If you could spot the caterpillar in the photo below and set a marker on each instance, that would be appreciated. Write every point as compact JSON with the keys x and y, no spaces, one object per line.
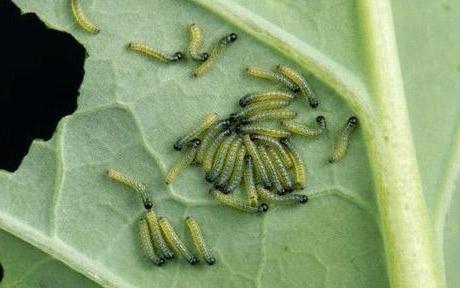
{"x":182,"y":162}
{"x":211,"y":150}
{"x":252,"y":150}
{"x":196,"y":41}
{"x":265,"y":96}
{"x":272,"y":115}
{"x":271,"y":170}
{"x":155,"y":232}
{"x":281,"y":170}
{"x":235,"y":203}
{"x":214,"y":54}
{"x":267,"y":140}
{"x":149,"y":51}
{"x":237,"y":173}
{"x":343,"y":139}
{"x":300,"y":81}
{"x":198,"y":240}
{"x":207,"y":121}
{"x":256,"y":129}
{"x":257,"y":107}
{"x":146,"y":243}
{"x":283,"y":199}
{"x":133,"y":184}
{"x":81,"y":19}
{"x":175,"y":242}
{"x":248,"y":176}
{"x":229,"y":163}
{"x":272,"y":76}
{"x":305,"y":131}
{"x":219,"y":159}
{"x":298,"y":164}
{"x":209,"y":136}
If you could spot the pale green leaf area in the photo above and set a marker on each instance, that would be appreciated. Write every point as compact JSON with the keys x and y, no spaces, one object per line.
{"x":358,"y":228}
{"x":26,"y":266}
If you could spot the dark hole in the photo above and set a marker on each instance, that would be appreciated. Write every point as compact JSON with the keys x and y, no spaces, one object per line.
{"x":1,"y":272}
{"x":40,"y":72}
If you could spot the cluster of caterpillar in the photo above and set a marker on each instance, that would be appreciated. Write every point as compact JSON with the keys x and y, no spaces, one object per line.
{"x":194,"y":50}
{"x":158,"y":239}
{"x":240,"y":149}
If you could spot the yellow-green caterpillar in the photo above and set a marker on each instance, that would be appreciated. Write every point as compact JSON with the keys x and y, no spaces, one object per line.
{"x":198,"y":240}
{"x":207,"y":121}
{"x":155,"y":233}
{"x":229,"y":163}
{"x":132,"y":183}
{"x":149,"y":51}
{"x":306,"y":131}
{"x":343,"y":139}
{"x":300,"y":81}
{"x":237,"y":173}
{"x":282,"y":199}
{"x":81,"y":19}
{"x":196,"y":41}
{"x":299,"y":168}
{"x":235,"y":203}
{"x":252,"y":150}
{"x":182,"y":162}
{"x":146,"y":243}
{"x":214,"y":54}
{"x":265,"y":96}
{"x":267,"y":140}
{"x":175,"y":242}
{"x":249,"y":185}
{"x":273,"y":76}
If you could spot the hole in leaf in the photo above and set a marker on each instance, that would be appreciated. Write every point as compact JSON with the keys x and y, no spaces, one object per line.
{"x":40,"y":74}
{"x":1,"y":272}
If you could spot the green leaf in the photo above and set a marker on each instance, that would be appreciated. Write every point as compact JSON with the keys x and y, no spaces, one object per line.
{"x":366,"y":224}
{"x":26,"y":266}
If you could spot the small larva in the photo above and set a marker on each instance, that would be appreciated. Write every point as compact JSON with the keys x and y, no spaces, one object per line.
{"x":235,"y":203}
{"x":343,"y":138}
{"x":155,"y":232}
{"x":230,"y":159}
{"x":306,"y":131}
{"x":255,"y":108}
{"x":281,"y":170}
{"x":252,"y":150}
{"x":282,"y":199}
{"x":182,"y":162}
{"x":267,"y":140}
{"x":272,"y":115}
{"x":133,"y":184}
{"x":207,"y":121}
{"x":300,"y":81}
{"x":219,"y":159}
{"x":149,"y":51}
{"x":272,"y":76}
{"x":271,"y":170}
{"x":198,"y":240}
{"x":214,"y":54}
{"x":146,"y":243}
{"x":261,"y":130}
{"x":265,"y":96}
{"x":237,"y":173}
{"x":81,"y":19}
{"x":298,"y":164}
{"x":249,"y":185}
{"x":209,"y":136}
{"x":196,"y":41}
{"x":175,"y":242}
{"x":211,"y":150}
